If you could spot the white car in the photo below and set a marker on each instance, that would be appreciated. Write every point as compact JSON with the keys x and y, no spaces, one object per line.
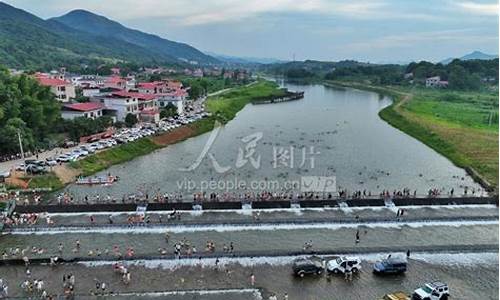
{"x":81,"y":152}
{"x":88,"y":148}
{"x":64,"y":158}
{"x":51,"y":161}
{"x":432,"y":291}
{"x":105,"y":144}
{"x":20,"y":167}
{"x":343,"y":264}
{"x":97,"y":146}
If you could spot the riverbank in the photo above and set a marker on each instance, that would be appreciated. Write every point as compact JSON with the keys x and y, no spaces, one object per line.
{"x":456,"y":125}
{"x":225,"y":106}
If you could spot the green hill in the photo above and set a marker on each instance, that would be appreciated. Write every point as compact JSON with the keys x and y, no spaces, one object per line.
{"x":29,"y":42}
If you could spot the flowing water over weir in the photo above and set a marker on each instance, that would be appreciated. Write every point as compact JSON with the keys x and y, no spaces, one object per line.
{"x":347,"y":139}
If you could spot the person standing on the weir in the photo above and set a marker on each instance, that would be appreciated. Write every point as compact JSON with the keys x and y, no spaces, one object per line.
{"x":357,"y":236}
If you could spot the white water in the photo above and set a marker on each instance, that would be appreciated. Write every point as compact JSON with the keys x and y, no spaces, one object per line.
{"x":447,"y":259}
{"x":291,"y":210}
{"x":256,"y":293}
{"x":255,"y":227}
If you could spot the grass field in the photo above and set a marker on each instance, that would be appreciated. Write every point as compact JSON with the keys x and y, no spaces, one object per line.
{"x":463,"y":126}
{"x":224,"y":107}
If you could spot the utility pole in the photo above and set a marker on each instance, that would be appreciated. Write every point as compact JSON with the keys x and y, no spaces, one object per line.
{"x":21,"y":147}
{"x":20,"y":143}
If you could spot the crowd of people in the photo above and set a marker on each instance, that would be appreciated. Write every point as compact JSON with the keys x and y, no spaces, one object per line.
{"x":142,"y":197}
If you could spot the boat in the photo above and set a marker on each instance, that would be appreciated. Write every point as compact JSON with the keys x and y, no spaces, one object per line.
{"x":105,"y":180}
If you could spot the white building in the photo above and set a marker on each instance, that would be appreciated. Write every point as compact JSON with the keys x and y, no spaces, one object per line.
{"x":176,"y":98}
{"x":121,"y":103}
{"x":62,"y":89}
{"x":435,"y":82}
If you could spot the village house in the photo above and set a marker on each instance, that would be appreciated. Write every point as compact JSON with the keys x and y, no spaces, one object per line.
{"x":115,"y":82}
{"x":435,"y":82}
{"x":198,"y":73}
{"x":155,"y":87}
{"x":90,"y":110}
{"x":62,"y":89}
{"x":176,"y":98}
{"x":120,"y":103}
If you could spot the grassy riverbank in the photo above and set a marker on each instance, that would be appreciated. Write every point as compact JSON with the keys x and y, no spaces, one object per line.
{"x":223,"y":108}
{"x":102,"y":160}
{"x":462,"y":126}
{"x":49,"y":180}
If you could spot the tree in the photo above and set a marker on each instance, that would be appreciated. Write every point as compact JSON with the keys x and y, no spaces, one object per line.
{"x":27,"y":107}
{"x":169,"y":110}
{"x":130,"y":120}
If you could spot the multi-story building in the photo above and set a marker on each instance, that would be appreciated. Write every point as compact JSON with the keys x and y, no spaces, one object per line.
{"x":62,"y":89}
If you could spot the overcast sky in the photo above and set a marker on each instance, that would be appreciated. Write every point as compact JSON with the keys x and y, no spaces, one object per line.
{"x":376,"y":30}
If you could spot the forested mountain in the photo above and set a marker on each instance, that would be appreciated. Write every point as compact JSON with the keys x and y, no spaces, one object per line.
{"x":88,"y":22}
{"x":29,"y":42}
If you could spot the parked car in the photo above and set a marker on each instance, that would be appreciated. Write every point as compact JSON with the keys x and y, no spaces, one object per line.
{"x":97,"y":146}
{"x":342,"y":264}
{"x":20,"y":167}
{"x":35,"y":169}
{"x":88,"y":148}
{"x":432,"y":291}
{"x":51,"y":161}
{"x":80,"y":152}
{"x":390,"y":265}
{"x":34,"y":162}
{"x":302,"y":267}
{"x":65,"y":158}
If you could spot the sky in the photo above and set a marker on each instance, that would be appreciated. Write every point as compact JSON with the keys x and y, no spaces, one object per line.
{"x":331,"y":30}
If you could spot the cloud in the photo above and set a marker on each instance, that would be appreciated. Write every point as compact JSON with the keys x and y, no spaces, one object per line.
{"x":488,"y":9}
{"x":423,"y":38}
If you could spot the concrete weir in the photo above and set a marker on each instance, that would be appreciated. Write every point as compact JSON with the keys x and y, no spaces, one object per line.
{"x":268,"y":204}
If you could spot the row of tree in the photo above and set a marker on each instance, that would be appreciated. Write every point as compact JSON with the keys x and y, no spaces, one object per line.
{"x":461,"y":75}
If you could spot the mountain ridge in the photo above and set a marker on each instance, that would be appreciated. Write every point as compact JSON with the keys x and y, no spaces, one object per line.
{"x":470,"y":56}
{"x":92,"y":23}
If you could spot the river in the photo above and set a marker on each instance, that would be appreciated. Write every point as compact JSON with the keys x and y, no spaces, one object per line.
{"x":330,"y":132}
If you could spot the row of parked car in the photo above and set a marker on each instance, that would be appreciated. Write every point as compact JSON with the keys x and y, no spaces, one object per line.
{"x":123,"y":136}
{"x":389,"y":265}
{"x":168,"y":124}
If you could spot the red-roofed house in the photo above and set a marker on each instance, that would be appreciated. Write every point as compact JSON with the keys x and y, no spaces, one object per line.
{"x":91,"y":110}
{"x":155,"y":87}
{"x":64,"y":90}
{"x":115,"y":82}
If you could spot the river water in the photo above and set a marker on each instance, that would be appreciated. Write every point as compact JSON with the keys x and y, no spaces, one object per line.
{"x":331,"y":132}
